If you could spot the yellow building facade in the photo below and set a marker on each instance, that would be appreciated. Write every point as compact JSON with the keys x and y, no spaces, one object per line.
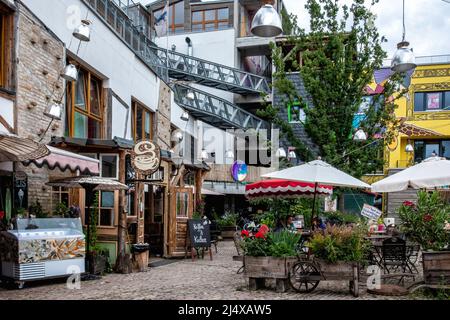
{"x":425,"y":118}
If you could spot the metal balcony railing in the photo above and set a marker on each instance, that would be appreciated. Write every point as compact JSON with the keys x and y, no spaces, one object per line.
{"x":216,"y":111}
{"x":173,"y":64}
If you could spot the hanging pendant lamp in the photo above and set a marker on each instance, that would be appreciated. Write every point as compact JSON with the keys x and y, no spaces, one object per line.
{"x":83,"y":32}
{"x":403,"y":59}
{"x":267,"y":22}
{"x":70,"y":73}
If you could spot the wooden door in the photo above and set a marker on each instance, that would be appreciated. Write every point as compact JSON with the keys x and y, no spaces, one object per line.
{"x":181,"y":209}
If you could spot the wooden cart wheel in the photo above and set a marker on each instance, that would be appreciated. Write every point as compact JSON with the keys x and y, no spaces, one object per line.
{"x":354,"y":284}
{"x":304,"y":277}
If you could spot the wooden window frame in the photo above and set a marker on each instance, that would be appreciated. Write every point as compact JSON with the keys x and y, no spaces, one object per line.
{"x":71,"y":92}
{"x":171,"y":24}
{"x":204,"y":22}
{"x":59,"y":192}
{"x":145,"y":110}
{"x":7,"y":46}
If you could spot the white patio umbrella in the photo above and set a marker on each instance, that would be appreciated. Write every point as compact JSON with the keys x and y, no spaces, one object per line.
{"x":430,"y":173}
{"x":318,"y":172}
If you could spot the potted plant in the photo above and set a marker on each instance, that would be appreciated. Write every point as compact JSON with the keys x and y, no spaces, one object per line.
{"x":425,"y":224}
{"x":227,"y":224}
{"x":269,"y":255}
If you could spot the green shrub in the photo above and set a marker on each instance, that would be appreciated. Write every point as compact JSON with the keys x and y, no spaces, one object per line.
{"x":425,"y":222}
{"x":340,"y":243}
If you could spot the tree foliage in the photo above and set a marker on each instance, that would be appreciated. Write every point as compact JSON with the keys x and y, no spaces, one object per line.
{"x":338,"y":58}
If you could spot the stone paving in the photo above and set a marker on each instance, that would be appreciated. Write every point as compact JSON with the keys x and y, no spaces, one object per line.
{"x":184,"y":279}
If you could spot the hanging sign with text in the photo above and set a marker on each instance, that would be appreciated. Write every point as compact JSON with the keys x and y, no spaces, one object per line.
{"x":370,"y":212}
{"x":199,"y":233}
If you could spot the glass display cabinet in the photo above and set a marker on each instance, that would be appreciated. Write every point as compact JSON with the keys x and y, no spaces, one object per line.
{"x":42,"y":248}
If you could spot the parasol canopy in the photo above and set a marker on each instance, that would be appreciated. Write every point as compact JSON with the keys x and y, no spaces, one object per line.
{"x":318,"y":172}
{"x":14,"y":148}
{"x":430,"y":173}
{"x":280,"y":188}
{"x":94,"y":182}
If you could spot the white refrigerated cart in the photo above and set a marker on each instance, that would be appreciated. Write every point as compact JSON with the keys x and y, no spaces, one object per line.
{"x":42,"y":248}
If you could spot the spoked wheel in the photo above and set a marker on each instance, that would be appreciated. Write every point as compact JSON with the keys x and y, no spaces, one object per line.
{"x":304,"y":277}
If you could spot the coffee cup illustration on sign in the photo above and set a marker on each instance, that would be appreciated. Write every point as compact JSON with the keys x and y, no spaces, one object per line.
{"x":146,"y":157}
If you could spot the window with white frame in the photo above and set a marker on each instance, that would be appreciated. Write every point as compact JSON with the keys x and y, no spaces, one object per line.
{"x":109,"y":166}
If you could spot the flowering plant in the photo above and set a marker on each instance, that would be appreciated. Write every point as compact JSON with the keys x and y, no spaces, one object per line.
{"x":425,"y":222}
{"x":265,"y":243}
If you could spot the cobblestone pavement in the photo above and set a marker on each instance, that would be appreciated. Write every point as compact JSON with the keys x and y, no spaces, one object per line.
{"x":184,"y":279}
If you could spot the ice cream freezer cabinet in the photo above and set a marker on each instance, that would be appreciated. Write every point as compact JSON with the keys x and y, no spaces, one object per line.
{"x":42,"y":248}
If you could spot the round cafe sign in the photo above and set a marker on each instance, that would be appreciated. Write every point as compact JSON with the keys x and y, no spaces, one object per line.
{"x":145,"y":157}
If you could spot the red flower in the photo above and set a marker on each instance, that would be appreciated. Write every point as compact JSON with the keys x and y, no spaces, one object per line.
{"x":245,"y":233}
{"x":260,"y":235}
{"x":409,"y":204}
{"x":427,"y":217}
{"x":263,"y":229}
{"x":2,"y":215}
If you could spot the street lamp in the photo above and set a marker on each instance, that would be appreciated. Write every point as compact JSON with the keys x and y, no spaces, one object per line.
{"x":267,"y":22}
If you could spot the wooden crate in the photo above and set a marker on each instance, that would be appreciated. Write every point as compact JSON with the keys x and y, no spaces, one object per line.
{"x":257,"y":269}
{"x":436,"y":267}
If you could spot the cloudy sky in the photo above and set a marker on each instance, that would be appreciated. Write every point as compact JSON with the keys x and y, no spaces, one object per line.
{"x":427,"y":23}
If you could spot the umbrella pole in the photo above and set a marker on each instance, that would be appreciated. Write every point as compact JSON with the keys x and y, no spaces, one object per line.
{"x":314,"y":204}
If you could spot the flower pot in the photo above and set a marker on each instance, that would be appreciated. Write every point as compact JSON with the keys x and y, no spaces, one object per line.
{"x":227,"y":232}
{"x":436,"y":267}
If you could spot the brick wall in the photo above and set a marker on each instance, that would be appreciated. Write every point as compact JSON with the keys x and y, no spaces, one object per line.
{"x":40,"y":58}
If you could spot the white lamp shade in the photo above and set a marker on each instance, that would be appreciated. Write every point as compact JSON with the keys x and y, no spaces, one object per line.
{"x":177,"y":136}
{"x":409,"y":148}
{"x":54,"y":111}
{"x":281,"y":153}
{"x":292,"y":155}
{"x":70,"y":73}
{"x":360,"y":135}
{"x":404,"y":59}
{"x":267,"y":22}
{"x":82,"y":32}
{"x":190,"y":95}
{"x":204,"y":154}
{"x":229,"y":154}
{"x":185,"y":116}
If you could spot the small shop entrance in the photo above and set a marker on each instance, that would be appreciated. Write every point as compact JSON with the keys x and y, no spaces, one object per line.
{"x":154,"y":218}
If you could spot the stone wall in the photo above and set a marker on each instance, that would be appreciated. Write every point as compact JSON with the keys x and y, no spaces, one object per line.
{"x":163,"y":117}
{"x":40,"y":59}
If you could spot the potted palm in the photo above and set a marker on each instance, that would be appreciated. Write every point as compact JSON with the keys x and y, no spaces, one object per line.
{"x":426,"y":224}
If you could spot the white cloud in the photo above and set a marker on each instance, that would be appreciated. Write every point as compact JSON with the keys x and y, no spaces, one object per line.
{"x":427,"y":23}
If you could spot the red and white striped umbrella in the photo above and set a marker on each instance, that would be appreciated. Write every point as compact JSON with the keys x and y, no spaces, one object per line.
{"x":277,"y":188}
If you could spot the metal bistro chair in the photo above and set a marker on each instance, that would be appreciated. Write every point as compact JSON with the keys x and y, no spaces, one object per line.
{"x":394,"y":256}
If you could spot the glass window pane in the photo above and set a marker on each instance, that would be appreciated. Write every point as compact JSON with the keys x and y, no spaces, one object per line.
{"x":107,"y":199}
{"x":147,"y":125}
{"x":80,"y":125}
{"x":210,"y":15}
{"x":434,"y":100}
{"x":139,"y":123}
{"x":197,"y":16}
{"x":418,"y":101}
{"x":179,"y":12}
{"x":419,"y":149}
{"x":182,"y":204}
{"x":106,"y":217}
{"x":431,"y":148}
{"x":109,"y":166}
{"x":223,"y":14}
{"x":210,"y":26}
{"x":446,"y":149}
{"x":447,"y":100}
{"x":94,"y":129}
{"x":80,"y":93}
{"x":95,"y":97}
{"x":197,"y":27}
{"x":223,"y":25}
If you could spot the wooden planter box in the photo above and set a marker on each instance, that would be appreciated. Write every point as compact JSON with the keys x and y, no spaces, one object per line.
{"x":227,"y":232}
{"x":257,"y":269}
{"x":97,"y":264}
{"x":338,"y":270}
{"x":436,"y":267}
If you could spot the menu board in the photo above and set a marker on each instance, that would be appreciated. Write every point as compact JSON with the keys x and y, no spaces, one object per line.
{"x":199,"y":233}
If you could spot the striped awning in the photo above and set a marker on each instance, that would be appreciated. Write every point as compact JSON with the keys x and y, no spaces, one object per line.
{"x":66,"y":160}
{"x":15,"y":148}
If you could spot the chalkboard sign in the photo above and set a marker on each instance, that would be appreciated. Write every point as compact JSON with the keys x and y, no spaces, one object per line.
{"x":199,"y":233}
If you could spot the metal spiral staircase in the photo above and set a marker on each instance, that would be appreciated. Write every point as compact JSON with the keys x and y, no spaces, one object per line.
{"x":174,"y":65}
